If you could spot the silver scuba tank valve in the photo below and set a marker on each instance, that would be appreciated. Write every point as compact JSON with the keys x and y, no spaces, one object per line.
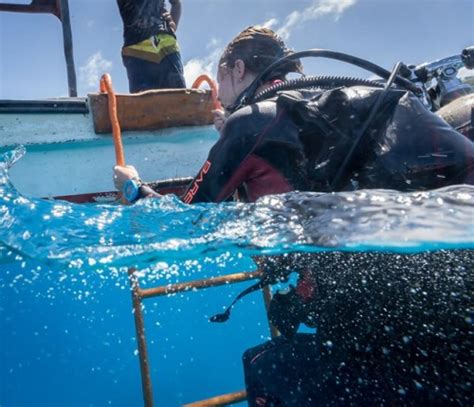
{"x":440,"y":78}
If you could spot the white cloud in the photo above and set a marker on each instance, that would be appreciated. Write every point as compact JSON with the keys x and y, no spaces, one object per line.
{"x":270,"y":23}
{"x":318,"y":9}
{"x":91,"y":72}
{"x":206,"y":65}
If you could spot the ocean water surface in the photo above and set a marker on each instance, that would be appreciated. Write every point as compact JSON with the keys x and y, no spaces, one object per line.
{"x":67,"y":331}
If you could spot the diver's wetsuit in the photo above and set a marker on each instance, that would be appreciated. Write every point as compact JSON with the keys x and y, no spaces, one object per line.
{"x":261,"y":149}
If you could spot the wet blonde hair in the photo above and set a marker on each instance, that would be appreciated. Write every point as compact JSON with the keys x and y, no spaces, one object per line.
{"x":259,"y":47}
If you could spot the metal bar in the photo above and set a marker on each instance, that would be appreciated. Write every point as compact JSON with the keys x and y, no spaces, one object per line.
{"x":139,"y":294}
{"x":224,"y":400}
{"x":68,"y":49}
{"x":28,"y":8}
{"x":141,"y":340}
{"x":55,"y":106}
{"x":198,"y":284}
{"x":59,"y":8}
{"x":267,"y":298}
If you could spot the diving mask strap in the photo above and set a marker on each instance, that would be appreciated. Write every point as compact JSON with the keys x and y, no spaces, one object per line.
{"x":223,"y":317}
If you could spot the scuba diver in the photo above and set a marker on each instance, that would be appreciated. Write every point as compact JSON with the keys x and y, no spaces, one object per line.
{"x":362,"y":135}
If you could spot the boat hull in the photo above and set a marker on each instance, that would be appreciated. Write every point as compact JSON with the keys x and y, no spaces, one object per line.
{"x":65,"y":155}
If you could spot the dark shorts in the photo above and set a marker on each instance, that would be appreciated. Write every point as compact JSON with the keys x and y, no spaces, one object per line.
{"x":144,"y":75}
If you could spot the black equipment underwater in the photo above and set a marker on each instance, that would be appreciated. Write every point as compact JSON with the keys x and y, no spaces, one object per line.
{"x":269,"y":277}
{"x":286,"y":312}
{"x":224,"y":316}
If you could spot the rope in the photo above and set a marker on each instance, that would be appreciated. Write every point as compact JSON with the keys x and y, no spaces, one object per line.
{"x":205,"y":78}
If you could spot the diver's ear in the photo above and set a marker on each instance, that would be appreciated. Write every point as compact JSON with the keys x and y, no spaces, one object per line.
{"x":239,"y":68}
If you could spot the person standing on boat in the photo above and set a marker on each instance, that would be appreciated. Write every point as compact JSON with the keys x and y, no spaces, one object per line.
{"x":151,"y":52}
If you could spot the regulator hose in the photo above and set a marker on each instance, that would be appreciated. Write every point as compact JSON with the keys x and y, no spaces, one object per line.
{"x":248,"y":95}
{"x":322,"y":82}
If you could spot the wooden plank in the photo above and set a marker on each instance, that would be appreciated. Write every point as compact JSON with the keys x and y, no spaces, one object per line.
{"x":154,"y":109}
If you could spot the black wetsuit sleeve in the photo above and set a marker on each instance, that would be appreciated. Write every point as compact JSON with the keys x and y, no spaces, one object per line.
{"x":227,"y":165}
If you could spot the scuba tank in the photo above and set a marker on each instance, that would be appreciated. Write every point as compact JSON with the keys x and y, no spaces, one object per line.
{"x":460,"y":114}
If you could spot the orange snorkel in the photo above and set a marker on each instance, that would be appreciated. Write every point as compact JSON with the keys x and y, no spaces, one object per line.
{"x":106,"y":87}
{"x":205,"y":78}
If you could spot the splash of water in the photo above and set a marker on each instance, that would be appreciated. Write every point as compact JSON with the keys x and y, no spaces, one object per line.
{"x":102,"y":236}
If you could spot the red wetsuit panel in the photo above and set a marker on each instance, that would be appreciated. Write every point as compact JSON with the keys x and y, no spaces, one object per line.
{"x":261,"y":179}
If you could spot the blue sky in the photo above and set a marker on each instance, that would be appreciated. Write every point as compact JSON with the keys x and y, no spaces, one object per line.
{"x":384,"y":31}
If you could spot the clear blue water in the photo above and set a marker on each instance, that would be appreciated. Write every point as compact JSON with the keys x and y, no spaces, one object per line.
{"x":67,"y":331}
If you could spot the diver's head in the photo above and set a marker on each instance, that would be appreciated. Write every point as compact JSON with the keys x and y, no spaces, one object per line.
{"x":246,"y":56}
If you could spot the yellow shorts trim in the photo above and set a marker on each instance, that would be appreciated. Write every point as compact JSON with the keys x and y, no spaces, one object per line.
{"x":153,"y":49}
